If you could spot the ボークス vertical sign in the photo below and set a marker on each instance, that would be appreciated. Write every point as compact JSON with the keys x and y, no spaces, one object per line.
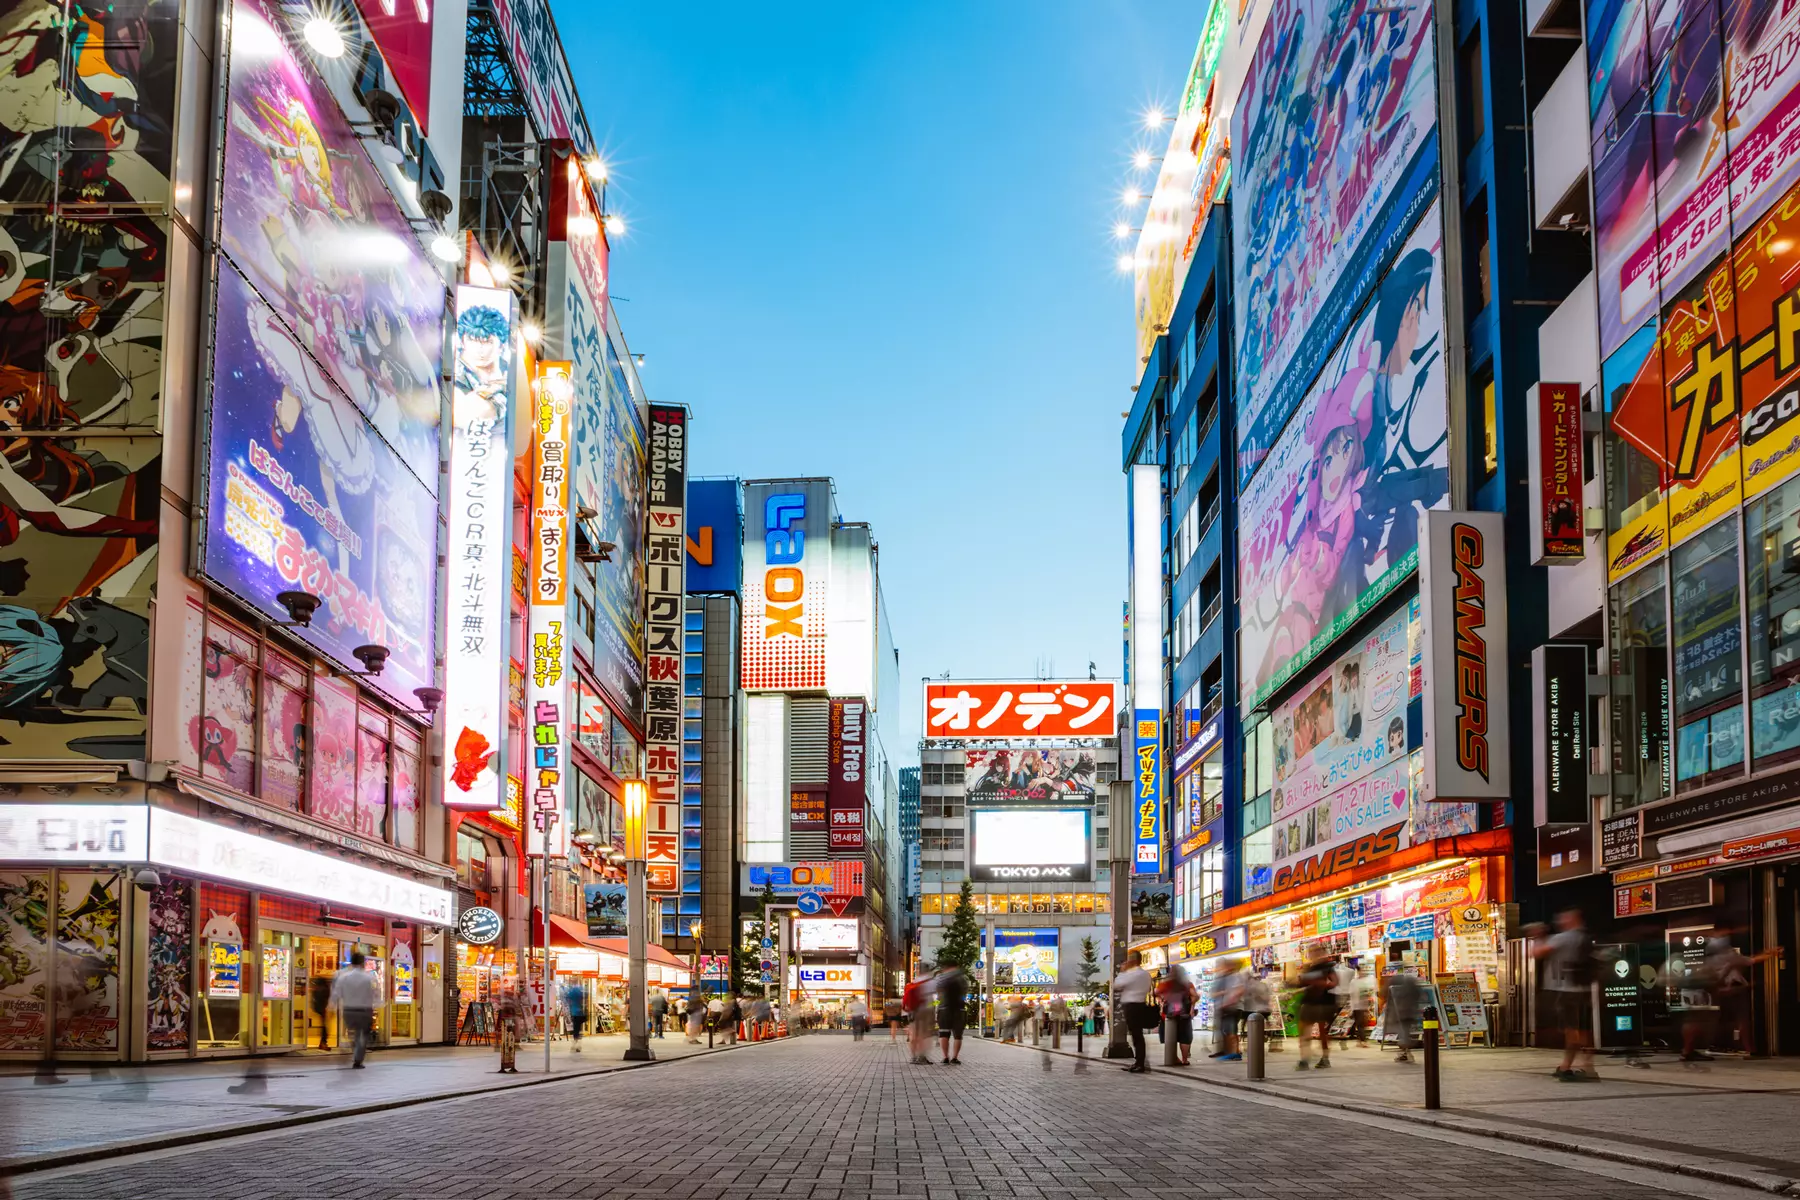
{"x":665,"y":566}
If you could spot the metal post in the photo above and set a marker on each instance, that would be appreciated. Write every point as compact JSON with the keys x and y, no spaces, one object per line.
{"x":1431,"y":1058}
{"x":1119,"y":796}
{"x":987,"y":1007}
{"x":1253,"y":1046}
{"x":637,"y":913}
{"x":1170,"y":1057}
{"x":1081,"y":1036}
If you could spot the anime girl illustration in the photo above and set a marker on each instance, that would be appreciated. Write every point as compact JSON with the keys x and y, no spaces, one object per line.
{"x":1403,"y":446}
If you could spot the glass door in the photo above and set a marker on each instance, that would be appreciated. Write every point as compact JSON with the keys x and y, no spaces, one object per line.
{"x":275,"y":1010}
{"x":321,"y":968}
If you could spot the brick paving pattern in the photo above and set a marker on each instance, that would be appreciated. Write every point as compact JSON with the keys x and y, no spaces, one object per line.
{"x":824,"y":1118}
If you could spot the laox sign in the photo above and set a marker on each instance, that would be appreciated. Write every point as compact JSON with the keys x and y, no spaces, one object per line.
{"x":784,"y":583}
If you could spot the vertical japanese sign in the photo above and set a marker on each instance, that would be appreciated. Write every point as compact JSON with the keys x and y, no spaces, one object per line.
{"x":1558,"y":535}
{"x":1146,"y":667}
{"x":547,"y":704}
{"x":846,"y":796}
{"x":665,"y":562}
{"x":479,"y":551}
{"x":1147,"y":817}
{"x":1462,"y":596}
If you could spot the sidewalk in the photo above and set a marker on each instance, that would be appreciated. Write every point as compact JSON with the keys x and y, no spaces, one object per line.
{"x":1734,"y":1120}
{"x":105,"y":1110}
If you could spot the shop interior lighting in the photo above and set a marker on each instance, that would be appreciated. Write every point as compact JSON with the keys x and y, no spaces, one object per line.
{"x":323,"y":35}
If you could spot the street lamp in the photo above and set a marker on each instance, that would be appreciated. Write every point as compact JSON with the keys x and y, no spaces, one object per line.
{"x":637,"y":911}
{"x":695,"y":987}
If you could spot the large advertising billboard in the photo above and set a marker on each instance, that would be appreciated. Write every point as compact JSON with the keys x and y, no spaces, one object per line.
{"x":787,"y":553}
{"x":542,"y":70}
{"x":1334,"y":156}
{"x":1030,"y":844}
{"x":1693,"y":105}
{"x":1028,"y":773}
{"x":1024,"y":708}
{"x":1330,"y":524}
{"x":715,"y":536}
{"x":665,"y":642}
{"x":846,"y":795}
{"x":1703,"y":400}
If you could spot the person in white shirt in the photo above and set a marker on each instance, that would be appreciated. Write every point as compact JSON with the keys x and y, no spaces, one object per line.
{"x":355,"y":994}
{"x":1131,"y":990}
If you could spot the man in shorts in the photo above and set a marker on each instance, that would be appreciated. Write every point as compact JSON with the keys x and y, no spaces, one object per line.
{"x":953,"y":1007}
{"x":1568,"y":985}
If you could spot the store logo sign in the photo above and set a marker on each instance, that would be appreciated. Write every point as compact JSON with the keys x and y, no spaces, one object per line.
{"x":1343,"y":858}
{"x":479,"y":926}
{"x":1470,"y":652}
{"x":784,"y":583}
{"x":1032,"y":872}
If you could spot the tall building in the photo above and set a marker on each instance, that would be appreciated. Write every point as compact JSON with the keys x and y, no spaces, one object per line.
{"x":315,"y":741}
{"x":1014,"y":799}
{"x":1661,"y":447}
{"x":1359,"y":797}
{"x":909,"y":851}
{"x":821,"y":798}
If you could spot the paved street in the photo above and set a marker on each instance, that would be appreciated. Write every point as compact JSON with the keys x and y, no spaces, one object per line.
{"x":824,"y":1117}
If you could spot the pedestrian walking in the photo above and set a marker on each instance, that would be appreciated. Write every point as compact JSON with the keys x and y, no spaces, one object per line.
{"x":890,"y":1013}
{"x":575,"y":1003}
{"x":859,"y":1019}
{"x":728,"y":1020}
{"x":508,"y":1015}
{"x":1570,"y":971}
{"x":1229,"y":987}
{"x":659,"y":1012}
{"x":715,"y":1012}
{"x":1097,"y":1017}
{"x":1179,"y":996}
{"x":1317,"y":1008}
{"x":952,"y":989}
{"x":355,"y":993}
{"x":1362,"y":1001}
{"x":318,"y":998}
{"x":915,"y":1005}
{"x":1402,"y":1011}
{"x":762,"y":1019}
{"x":694,"y":1012}
{"x":1132,"y":991}
{"x":1343,"y":997}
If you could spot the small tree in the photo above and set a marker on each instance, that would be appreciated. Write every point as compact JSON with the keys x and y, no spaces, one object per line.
{"x":962,"y":941}
{"x":746,"y":964}
{"x":1088,"y":967}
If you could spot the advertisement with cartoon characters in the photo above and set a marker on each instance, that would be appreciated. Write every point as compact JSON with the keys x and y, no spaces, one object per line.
{"x":1334,"y":156}
{"x":1027,"y":773}
{"x":1330,"y":524}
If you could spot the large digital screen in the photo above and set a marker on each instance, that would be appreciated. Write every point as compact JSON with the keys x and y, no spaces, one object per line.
{"x":826,"y":933}
{"x":1027,"y":773}
{"x":1330,"y":524}
{"x":1334,"y":156}
{"x":1026,"y":957}
{"x":1693,"y":104}
{"x":1030,"y":843}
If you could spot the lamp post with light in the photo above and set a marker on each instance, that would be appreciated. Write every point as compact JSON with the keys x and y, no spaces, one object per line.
{"x":694,"y":984}
{"x":637,"y":911}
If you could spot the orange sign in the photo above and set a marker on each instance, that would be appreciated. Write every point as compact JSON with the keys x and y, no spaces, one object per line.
{"x":1024,"y":708}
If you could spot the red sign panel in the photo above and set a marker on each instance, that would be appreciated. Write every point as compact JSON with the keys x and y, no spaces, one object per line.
{"x":402,"y":32}
{"x":1027,"y":708}
{"x":847,"y":795}
{"x":1559,"y":464}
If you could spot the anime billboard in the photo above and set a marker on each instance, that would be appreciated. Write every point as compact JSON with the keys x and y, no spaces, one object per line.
{"x":325,"y":507}
{"x":1028,"y":773}
{"x":1703,"y":399}
{"x":1694,"y":107}
{"x":1330,"y":524}
{"x":86,"y":103}
{"x":308,"y":221}
{"x":1334,"y":148}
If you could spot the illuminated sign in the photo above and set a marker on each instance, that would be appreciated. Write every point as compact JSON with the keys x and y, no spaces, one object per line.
{"x":827,"y":933}
{"x":1030,"y":843}
{"x":547,"y":704}
{"x":478,"y":550}
{"x":842,"y":878}
{"x":1362,"y":851}
{"x":1559,"y":719}
{"x":1462,"y":586}
{"x":665,"y":621}
{"x":1022,"y":709}
{"x":1558,"y":515}
{"x":89,"y":833}
{"x":1147,"y":795}
{"x":1196,"y":747}
{"x":847,"y":796}
{"x":851,"y":977}
{"x":784,"y":602}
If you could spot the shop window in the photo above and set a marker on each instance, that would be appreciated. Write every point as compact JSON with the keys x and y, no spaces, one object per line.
{"x":1490,"y":428}
{"x":224,"y":1016}
{"x":471,"y":860}
{"x":1063,"y":902}
{"x":332,"y":771}
{"x":931,"y":903}
{"x":225,"y":731}
{"x":1084,"y":902}
{"x":1640,"y":666}
{"x":1708,"y":643}
{"x":1102,"y":902}
{"x":171,"y":963}
{"x":1772,"y":547}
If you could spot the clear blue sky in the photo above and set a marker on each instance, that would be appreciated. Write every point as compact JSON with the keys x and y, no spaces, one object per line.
{"x":874,"y":242}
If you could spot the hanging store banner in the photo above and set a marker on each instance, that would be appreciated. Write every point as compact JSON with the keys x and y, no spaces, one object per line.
{"x":479,"y":551}
{"x":548,"y":695}
{"x":1560,"y":734}
{"x":1462,"y":588}
{"x":1147,"y":795}
{"x":1024,"y":708}
{"x":665,"y":564}
{"x":1558,"y":516}
{"x":787,"y":553}
{"x":847,"y":793}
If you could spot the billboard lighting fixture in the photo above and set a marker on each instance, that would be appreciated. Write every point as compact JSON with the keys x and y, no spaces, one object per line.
{"x":499,"y":272}
{"x":532,"y":332}
{"x":596,"y":169}
{"x":615,"y":225}
{"x":323,"y":35}
{"x":1142,"y":160}
{"x":1155,"y":117}
{"x":1131,"y":196}
{"x":445,"y":249}
{"x":1123,"y":230}
{"x":1126,"y":262}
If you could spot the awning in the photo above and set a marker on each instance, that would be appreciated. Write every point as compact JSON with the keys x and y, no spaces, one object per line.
{"x":568,"y":933}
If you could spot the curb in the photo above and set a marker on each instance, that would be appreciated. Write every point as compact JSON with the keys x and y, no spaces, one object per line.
{"x":1714,"y":1170}
{"x":30,"y":1164}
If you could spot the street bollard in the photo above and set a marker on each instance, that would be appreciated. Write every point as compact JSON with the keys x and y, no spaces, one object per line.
{"x":1056,"y":1035}
{"x":1253,"y":1046}
{"x":710,"y":1026}
{"x":1170,"y":1057}
{"x":1431,"y":1058}
{"x":1081,"y":1037}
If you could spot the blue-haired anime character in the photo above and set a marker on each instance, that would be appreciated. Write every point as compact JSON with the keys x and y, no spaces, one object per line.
{"x":483,"y":365}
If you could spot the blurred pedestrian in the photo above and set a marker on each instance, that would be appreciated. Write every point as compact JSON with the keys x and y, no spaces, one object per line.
{"x":1179,"y":999}
{"x":1402,"y":1011}
{"x":1362,"y":1001}
{"x":1317,"y":1008}
{"x":575,"y":1003}
{"x":509,"y":1013}
{"x":695,"y":1020}
{"x":1059,"y":1015}
{"x":715,"y":1013}
{"x":915,"y":1005}
{"x":1015,"y":1019}
{"x":1131,"y":990}
{"x":318,"y":998}
{"x":659,"y":1013}
{"x":859,"y":1019}
{"x":1343,"y":996}
{"x":952,"y":988}
{"x":890,"y":1014}
{"x":762,"y":1019}
{"x":1570,"y":972}
{"x":1097,"y":1015}
{"x":355,"y":994}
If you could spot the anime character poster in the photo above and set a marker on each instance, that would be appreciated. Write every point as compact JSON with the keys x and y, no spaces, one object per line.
{"x":1330,"y":524}
{"x":1334,"y":154}
{"x":87,"y":960}
{"x":306,"y":218}
{"x":86,"y":96}
{"x":1696,"y":138}
{"x":171,"y":963}
{"x":323,"y":505}
{"x":24,"y":959}
{"x":1028,"y":773}
{"x":1348,"y":721}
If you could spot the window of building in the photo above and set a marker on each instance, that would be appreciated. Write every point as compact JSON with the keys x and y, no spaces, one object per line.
{"x":471,"y":860}
{"x":1708,"y":647}
{"x":1640,"y":666}
{"x":1772,"y":548}
{"x":931,"y":903}
{"x":1490,"y":431}
{"x":1105,"y":773}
